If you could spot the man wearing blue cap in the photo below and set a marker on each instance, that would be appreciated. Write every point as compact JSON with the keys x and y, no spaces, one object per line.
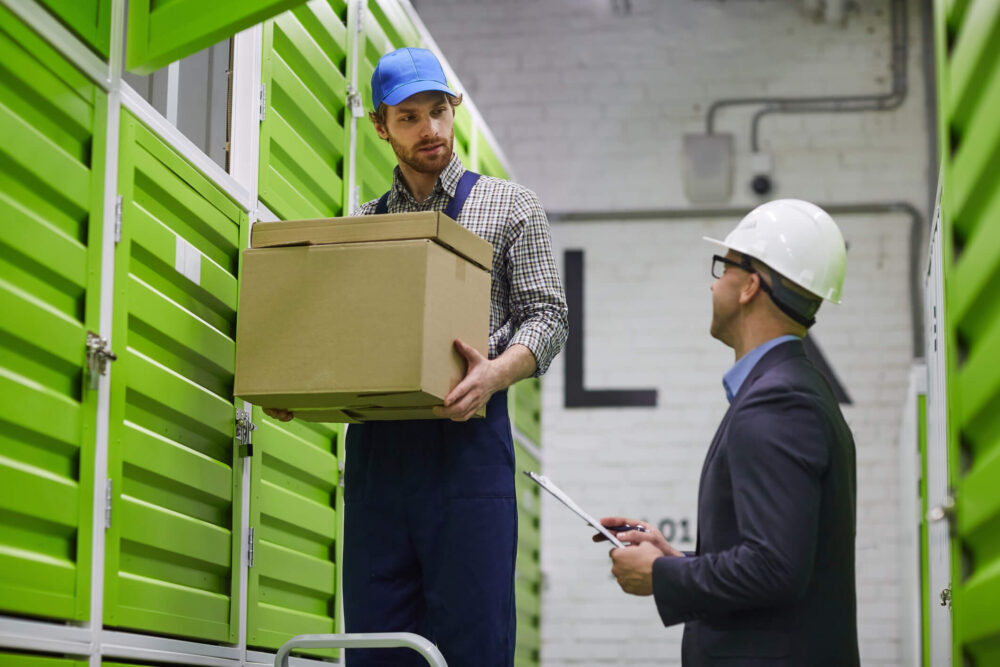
{"x":431,"y":519}
{"x":430,"y":522}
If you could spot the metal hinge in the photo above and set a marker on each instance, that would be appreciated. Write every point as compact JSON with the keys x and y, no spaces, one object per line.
{"x":943,"y":512}
{"x":354,"y":103}
{"x":244,"y":432}
{"x":98,"y":356}
{"x":262,"y":108}
{"x":946,"y":597}
{"x":118,"y":219}
{"x":250,"y":548}
{"x":108,"y":495}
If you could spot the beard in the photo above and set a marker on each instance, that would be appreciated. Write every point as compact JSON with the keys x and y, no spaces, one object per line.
{"x":424,"y":164}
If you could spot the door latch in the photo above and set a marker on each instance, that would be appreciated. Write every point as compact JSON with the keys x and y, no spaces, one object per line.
{"x":943,"y":512}
{"x":244,"y":432}
{"x":354,"y":103}
{"x":99,"y":355}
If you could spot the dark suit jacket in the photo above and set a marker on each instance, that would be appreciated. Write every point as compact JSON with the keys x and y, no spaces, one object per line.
{"x":772,"y":580}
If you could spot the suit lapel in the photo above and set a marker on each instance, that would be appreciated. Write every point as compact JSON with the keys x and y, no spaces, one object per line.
{"x":716,"y":442}
{"x":773,"y":357}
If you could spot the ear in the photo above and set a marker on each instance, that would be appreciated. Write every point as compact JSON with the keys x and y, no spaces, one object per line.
{"x":750,"y":288}
{"x":380,"y":129}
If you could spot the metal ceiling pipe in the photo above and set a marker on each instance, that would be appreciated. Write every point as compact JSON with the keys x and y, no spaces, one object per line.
{"x":916,"y":241}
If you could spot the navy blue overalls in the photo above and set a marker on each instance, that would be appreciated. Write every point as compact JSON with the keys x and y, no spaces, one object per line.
{"x":430,"y":531}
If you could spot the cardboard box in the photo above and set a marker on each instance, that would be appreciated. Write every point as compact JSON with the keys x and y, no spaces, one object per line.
{"x":353,"y":319}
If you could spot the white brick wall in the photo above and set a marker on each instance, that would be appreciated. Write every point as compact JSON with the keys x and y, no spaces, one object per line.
{"x":591,"y":108}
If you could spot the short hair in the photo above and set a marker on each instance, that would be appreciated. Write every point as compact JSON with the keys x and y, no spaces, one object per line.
{"x":378,"y":116}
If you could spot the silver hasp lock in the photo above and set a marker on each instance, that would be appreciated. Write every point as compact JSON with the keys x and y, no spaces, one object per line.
{"x":244,"y":432}
{"x":99,"y":355}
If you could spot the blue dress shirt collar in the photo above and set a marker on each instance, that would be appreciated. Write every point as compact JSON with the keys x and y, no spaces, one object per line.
{"x":735,"y":376}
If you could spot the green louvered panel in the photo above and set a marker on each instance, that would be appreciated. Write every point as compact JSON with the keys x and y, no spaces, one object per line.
{"x":295,"y":496}
{"x":969,"y":96}
{"x":303,"y":137}
{"x":375,"y":162}
{"x":463,"y":136}
{"x":524,"y":403}
{"x":375,"y":159}
{"x":487,"y":161}
{"x":956,"y":10}
{"x":52,"y":143}
{"x":527,"y":570}
{"x":89,"y":19}
{"x":29,"y":660}
{"x":924,"y":534}
{"x":392,"y":18}
{"x":162,"y":31}
{"x":172,"y":559}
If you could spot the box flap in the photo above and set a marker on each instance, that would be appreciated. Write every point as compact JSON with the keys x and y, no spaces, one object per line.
{"x":367,"y":228}
{"x":366,"y":414}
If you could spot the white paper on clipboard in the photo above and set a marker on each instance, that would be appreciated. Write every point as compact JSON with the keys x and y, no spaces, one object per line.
{"x":547,"y":484}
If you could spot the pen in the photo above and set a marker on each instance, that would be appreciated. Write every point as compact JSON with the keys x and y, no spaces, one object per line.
{"x":625,"y":527}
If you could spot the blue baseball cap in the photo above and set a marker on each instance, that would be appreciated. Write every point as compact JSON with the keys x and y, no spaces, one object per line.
{"x":406,"y":72}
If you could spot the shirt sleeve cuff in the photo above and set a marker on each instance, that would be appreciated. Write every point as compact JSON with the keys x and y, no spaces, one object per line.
{"x":540,"y":344}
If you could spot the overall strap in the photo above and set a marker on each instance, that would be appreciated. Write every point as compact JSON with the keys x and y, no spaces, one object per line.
{"x":462,"y":191}
{"x":453,"y":209}
{"x":382,"y":206}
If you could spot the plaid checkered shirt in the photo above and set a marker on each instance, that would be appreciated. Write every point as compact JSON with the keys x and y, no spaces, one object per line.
{"x":527,"y":302}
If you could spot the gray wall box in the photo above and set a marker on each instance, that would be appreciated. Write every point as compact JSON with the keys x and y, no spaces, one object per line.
{"x":708,"y":167}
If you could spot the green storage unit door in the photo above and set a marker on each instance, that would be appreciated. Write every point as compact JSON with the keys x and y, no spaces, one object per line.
{"x":396,"y":25}
{"x":464,"y":136}
{"x":162,"y":31}
{"x":969,"y":95}
{"x":384,"y":28}
{"x":527,"y":568}
{"x":524,"y":403}
{"x":294,"y":506}
{"x":303,"y":138}
{"x":89,"y":19}
{"x":52,"y":146}
{"x":488,"y":162}
{"x":924,"y":536}
{"x":172,"y":551}
{"x":28,"y":660}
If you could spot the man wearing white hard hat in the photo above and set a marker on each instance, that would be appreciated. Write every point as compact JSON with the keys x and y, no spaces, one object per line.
{"x":771,"y":581}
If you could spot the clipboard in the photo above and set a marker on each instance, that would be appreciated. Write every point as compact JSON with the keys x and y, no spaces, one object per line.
{"x":547,"y":484}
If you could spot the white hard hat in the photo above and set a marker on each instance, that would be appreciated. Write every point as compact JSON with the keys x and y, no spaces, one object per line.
{"x":797,"y":239}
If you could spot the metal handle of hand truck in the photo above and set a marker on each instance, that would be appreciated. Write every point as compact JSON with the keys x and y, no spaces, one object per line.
{"x":419,"y":644}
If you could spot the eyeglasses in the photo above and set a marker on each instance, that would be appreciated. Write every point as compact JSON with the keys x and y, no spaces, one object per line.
{"x":807,"y":308}
{"x":719,"y":264}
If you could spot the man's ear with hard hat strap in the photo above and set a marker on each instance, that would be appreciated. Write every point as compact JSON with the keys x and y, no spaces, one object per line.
{"x":800,"y":308}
